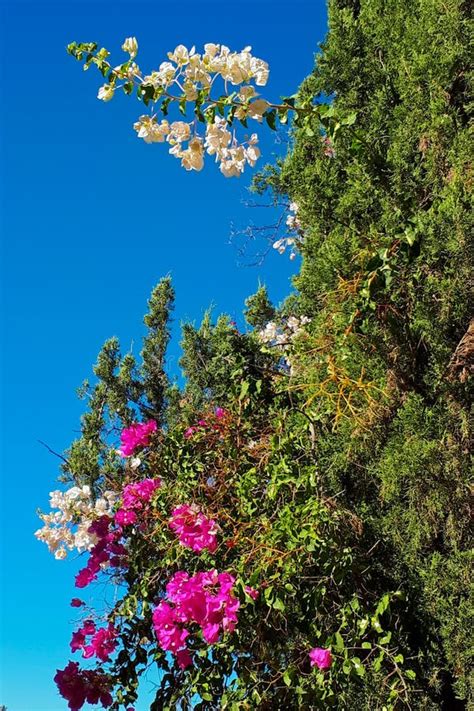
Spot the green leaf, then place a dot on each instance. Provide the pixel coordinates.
(278, 604)
(164, 106)
(244, 388)
(358, 666)
(270, 117)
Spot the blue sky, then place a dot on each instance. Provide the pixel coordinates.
(91, 218)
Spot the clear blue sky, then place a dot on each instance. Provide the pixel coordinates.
(91, 218)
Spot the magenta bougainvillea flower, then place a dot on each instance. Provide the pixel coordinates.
(137, 435)
(251, 592)
(193, 529)
(76, 602)
(107, 550)
(124, 517)
(211, 424)
(80, 685)
(135, 497)
(205, 599)
(321, 658)
(101, 645)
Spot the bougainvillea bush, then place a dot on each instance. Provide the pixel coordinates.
(290, 530)
(235, 575)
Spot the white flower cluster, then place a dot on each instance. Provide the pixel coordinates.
(218, 141)
(294, 225)
(68, 527)
(281, 337)
(190, 75)
(197, 69)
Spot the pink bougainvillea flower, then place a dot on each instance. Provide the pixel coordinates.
(193, 529)
(106, 550)
(79, 638)
(76, 602)
(125, 517)
(84, 577)
(183, 659)
(321, 658)
(251, 592)
(137, 435)
(220, 413)
(205, 599)
(135, 495)
(189, 432)
(79, 686)
(102, 644)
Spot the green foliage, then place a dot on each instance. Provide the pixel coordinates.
(339, 475)
(387, 255)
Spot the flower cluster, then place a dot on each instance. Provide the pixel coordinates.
(196, 70)
(134, 498)
(107, 551)
(321, 658)
(232, 155)
(137, 435)
(294, 225)
(213, 422)
(205, 599)
(282, 335)
(79, 686)
(193, 529)
(188, 76)
(101, 645)
(70, 526)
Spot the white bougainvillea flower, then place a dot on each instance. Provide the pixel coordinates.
(257, 108)
(197, 71)
(190, 90)
(150, 130)
(163, 77)
(283, 243)
(193, 157)
(179, 131)
(247, 92)
(218, 137)
(260, 71)
(106, 92)
(130, 46)
(181, 55)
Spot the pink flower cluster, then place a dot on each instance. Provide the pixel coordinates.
(321, 658)
(80, 685)
(106, 550)
(101, 645)
(219, 414)
(193, 529)
(205, 599)
(137, 435)
(134, 497)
